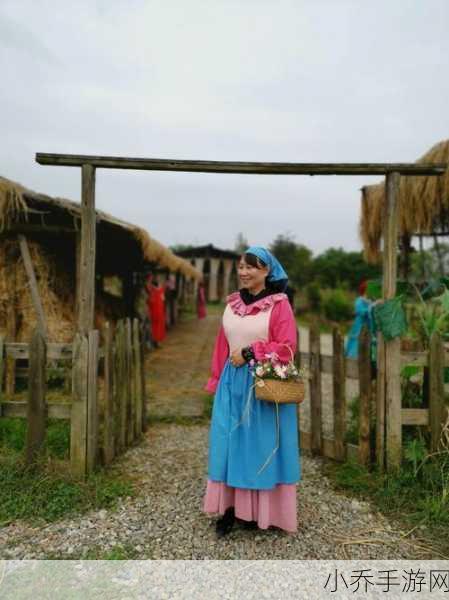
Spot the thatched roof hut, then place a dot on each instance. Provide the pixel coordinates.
(51, 226)
(423, 205)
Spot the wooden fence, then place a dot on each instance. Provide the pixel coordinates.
(388, 437)
(106, 406)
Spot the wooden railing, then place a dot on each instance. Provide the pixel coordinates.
(341, 369)
(106, 404)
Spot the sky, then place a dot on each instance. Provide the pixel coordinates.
(247, 80)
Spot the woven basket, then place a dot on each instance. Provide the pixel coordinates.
(282, 392)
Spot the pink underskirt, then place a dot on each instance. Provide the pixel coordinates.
(275, 507)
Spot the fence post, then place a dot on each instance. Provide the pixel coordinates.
(365, 395)
(436, 390)
(92, 408)
(137, 379)
(119, 377)
(143, 382)
(109, 413)
(78, 419)
(315, 390)
(36, 409)
(129, 382)
(339, 385)
(1, 370)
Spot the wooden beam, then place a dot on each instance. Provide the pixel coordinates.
(339, 390)
(315, 390)
(14, 409)
(35, 296)
(365, 393)
(78, 418)
(92, 407)
(254, 168)
(86, 291)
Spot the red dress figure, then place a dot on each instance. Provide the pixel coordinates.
(156, 306)
(201, 302)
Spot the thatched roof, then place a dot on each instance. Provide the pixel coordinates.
(19, 205)
(423, 204)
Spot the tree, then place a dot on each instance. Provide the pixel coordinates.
(295, 258)
(241, 243)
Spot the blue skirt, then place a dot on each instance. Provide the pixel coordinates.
(241, 441)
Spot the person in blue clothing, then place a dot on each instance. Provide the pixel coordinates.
(363, 307)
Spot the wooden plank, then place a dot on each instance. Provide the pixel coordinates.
(143, 382)
(328, 446)
(108, 399)
(415, 416)
(78, 418)
(315, 390)
(256, 168)
(436, 391)
(137, 376)
(2, 363)
(392, 347)
(35, 296)
(365, 391)
(121, 383)
(54, 351)
(19, 410)
(36, 413)
(380, 403)
(92, 408)
(416, 359)
(130, 408)
(86, 291)
(339, 390)
(327, 364)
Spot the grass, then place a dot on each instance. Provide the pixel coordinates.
(414, 497)
(48, 492)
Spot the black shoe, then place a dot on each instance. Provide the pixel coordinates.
(248, 524)
(226, 523)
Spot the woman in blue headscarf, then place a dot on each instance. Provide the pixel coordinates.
(253, 473)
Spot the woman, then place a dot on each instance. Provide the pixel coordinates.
(242, 483)
(156, 309)
(201, 302)
(363, 316)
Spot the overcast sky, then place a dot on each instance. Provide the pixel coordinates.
(269, 80)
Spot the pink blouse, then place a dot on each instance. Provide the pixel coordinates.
(282, 331)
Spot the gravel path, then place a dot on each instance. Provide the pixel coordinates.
(165, 521)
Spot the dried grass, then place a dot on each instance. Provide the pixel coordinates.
(423, 204)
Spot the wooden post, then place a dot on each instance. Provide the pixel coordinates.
(86, 291)
(129, 383)
(315, 390)
(35, 297)
(109, 414)
(78, 418)
(380, 403)
(137, 377)
(120, 375)
(92, 408)
(365, 395)
(36, 409)
(392, 348)
(339, 381)
(143, 382)
(11, 314)
(436, 390)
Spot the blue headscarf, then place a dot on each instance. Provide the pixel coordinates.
(276, 270)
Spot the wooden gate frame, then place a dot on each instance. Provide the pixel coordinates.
(389, 433)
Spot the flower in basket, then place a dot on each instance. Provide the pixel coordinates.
(272, 368)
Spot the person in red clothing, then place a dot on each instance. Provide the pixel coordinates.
(156, 309)
(201, 302)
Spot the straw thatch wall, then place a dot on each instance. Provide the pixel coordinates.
(423, 204)
(50, 225)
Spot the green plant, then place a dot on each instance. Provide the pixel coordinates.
(415, 452)
(313, 295)
(430, 316)
(337, 307)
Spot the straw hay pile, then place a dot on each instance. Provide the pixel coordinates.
(423, 204)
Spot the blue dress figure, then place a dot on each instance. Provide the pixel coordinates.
(363, 317)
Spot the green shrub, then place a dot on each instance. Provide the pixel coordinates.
(313, 296)
(337, 307)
